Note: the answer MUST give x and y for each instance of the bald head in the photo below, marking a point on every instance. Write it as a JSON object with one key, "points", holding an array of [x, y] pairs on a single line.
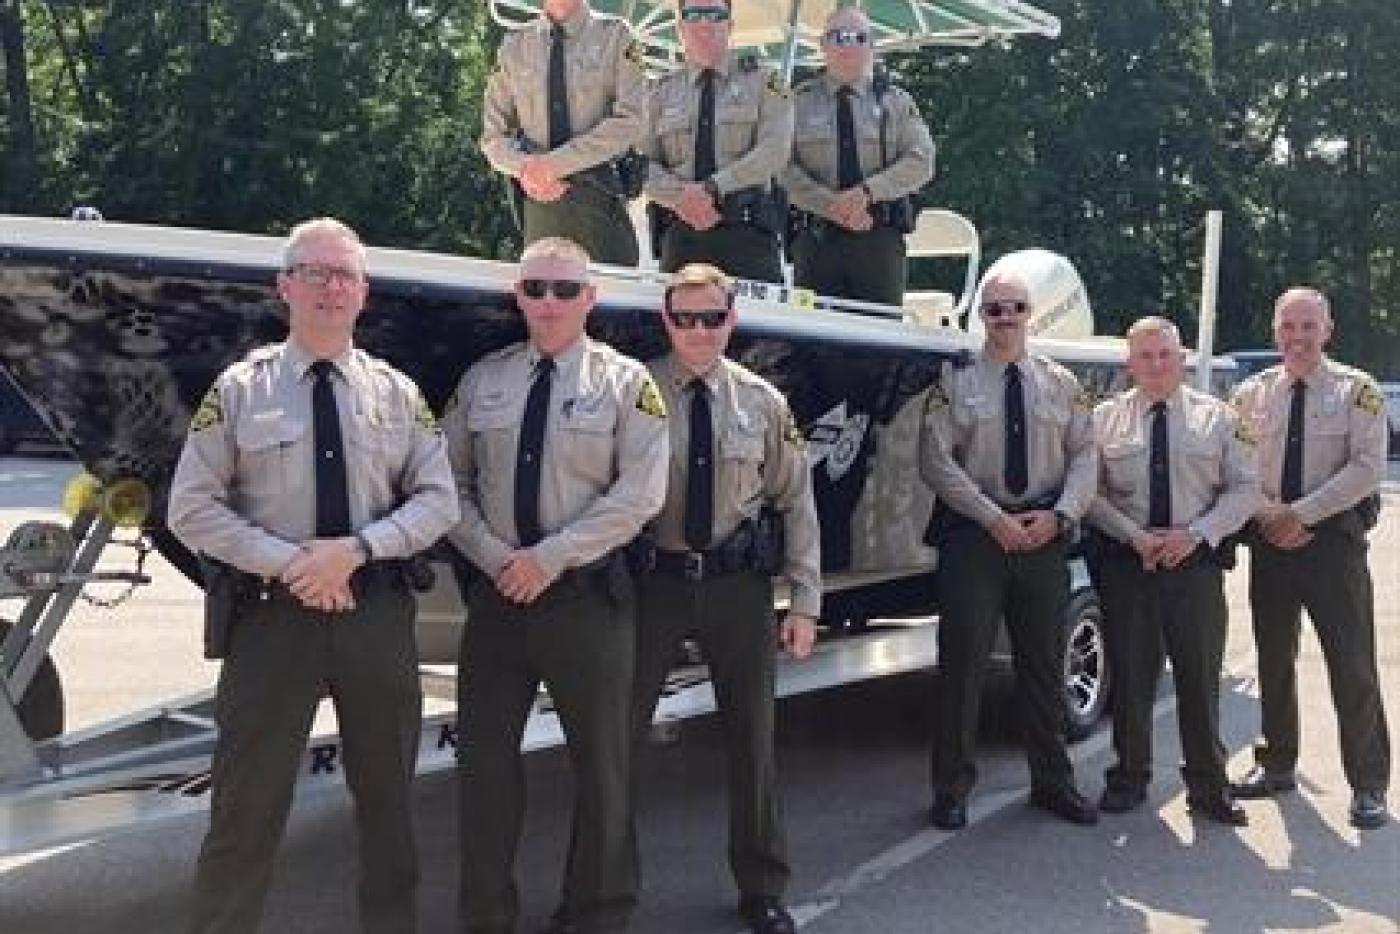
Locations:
{"points": [[1302, 328]]}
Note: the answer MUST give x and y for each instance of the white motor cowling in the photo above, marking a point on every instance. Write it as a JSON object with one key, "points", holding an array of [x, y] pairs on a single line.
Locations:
{"points": [[1059, 302]]}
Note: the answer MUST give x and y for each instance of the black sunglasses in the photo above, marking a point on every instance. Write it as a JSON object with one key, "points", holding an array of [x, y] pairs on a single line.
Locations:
{"points": [[997, 309], [566, 290], [847, 37], [705, 14], [708, 318]]}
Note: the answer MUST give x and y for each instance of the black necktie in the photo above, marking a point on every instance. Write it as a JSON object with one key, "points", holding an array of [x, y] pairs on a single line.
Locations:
{"points": [[528, 456], [847, 159], [1015, 470], [1292, 486], [700, 470], [559, 131], [332, 485], [1159, 475], [705, 128]]}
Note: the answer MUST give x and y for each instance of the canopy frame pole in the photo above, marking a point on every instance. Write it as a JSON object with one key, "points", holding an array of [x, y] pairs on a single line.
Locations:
{"points": [[1210, 288], [790, 45]]}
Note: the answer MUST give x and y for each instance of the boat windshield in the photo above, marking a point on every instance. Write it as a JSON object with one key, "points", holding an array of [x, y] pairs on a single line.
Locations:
{"points": [[765, 27]]}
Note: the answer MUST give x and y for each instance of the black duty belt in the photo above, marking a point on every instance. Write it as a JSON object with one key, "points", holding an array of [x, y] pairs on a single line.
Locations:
{"points": [[370, 578], [699, 565]]}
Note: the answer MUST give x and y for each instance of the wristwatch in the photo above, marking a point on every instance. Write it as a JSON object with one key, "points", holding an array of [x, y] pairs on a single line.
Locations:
{"points": [[1063, 524], [711, 189]]}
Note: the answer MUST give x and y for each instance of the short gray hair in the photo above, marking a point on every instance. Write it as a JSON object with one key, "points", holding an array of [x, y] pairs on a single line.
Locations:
{"points": [[1304, 292], [1154, 324], [315, 229], [556, 248]]}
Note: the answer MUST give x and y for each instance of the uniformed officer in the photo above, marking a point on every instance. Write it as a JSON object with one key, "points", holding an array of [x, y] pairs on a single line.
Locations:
{"points": [[565, 103], [1177, 478], [1322, 431], [719, 133], [738, 509], [559, 447], [311, 469], [860, 151], [1008, 449]]}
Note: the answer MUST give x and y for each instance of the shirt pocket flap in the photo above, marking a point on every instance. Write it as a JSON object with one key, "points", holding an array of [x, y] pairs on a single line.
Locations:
{"points": [[491, 419], [266, 434], [1052, 413], [743, 440], [595, 416], [737, 111], [1122, 450]]}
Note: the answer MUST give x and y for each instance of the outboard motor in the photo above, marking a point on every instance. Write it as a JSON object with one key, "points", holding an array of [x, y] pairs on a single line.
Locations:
{"points": [[1059, 302]]}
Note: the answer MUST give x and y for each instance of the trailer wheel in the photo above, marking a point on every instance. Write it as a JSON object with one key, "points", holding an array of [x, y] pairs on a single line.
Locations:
{"points": [[41, 709], [1088, 678]]}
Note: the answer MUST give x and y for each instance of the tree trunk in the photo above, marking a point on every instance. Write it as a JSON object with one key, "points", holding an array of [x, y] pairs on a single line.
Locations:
{"points": [[21, 158]]}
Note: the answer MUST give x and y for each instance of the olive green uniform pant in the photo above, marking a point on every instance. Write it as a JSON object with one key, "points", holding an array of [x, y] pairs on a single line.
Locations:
{"points": [[743, 252], [1330, 579], [1183, 611], [867, 266], [282, 658], [594, 220], [979, 586], [579, 641], [731, 617]]}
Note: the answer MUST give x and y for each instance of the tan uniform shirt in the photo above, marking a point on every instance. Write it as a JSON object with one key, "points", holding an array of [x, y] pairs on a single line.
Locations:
{"points": [[753, 129], [963, 442], [1214, 478], [761, 458], [907, 162], [607, 93], [1344, 435], [244, 490], [603, 470]]}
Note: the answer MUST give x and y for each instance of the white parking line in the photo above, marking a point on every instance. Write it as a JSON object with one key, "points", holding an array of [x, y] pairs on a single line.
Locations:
{"points": [[918, 845]]}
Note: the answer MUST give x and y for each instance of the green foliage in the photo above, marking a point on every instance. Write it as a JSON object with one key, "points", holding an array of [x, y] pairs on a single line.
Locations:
{"points": [[1108, 145]]}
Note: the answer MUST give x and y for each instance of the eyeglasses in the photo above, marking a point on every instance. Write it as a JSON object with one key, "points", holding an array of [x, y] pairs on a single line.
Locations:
{"points": [[997, 309], [847, 37], [708, 318], [704, 14], [320, 276], [566, 290]]}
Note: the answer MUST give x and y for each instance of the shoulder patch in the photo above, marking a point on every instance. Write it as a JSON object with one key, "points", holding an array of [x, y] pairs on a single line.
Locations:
{"points": [[938, 398], [776, 86], [649, 400], [792, 434], [210, 411], [423, 414], [1369, 399], [1083, 400], [635, 54], [1244, 432]]}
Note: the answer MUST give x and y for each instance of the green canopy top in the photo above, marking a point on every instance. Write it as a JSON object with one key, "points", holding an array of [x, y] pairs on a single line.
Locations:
{"points": [[767, 26]]}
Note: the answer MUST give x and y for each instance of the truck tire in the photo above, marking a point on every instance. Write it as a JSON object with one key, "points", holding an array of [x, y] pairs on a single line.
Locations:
{"points": [[41, 708], [1088, 676]]}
